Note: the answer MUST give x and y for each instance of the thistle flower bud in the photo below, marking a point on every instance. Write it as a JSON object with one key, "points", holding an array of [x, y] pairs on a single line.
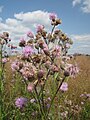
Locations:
{"points": [[54, 68], [40, 42], [37, 58], [58, 21], [66, 73], [22, 42], [30, 87], [46, 51], [40, 73], [6, 34]]}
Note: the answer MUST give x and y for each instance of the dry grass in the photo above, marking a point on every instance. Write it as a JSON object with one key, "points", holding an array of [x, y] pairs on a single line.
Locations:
{"points": [[81, 83], [77, 86]]}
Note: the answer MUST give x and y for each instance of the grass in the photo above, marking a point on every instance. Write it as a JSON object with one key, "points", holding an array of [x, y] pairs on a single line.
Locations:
{"points": [[77, 86]]}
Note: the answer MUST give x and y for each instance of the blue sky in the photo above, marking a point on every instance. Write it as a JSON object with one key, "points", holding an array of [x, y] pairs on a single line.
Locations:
{"points": [[18, 16]]}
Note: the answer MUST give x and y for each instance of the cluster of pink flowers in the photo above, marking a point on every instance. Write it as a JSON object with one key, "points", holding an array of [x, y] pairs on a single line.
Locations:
{"points": [[44, 56], [27, 51], [27, 73], [72, 69], [20, 102]]}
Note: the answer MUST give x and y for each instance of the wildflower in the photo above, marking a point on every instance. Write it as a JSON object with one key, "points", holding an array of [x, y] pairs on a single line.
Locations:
{"points": [[40, 28], [27, 51], [72, 69], [20, 102], [30, 87], [52, 16], [49, 99], [13, 47], [40, 73], [15, 66], [41, 43], [67, 45], [56, 52], [30, 34], [4, 60], [64, 87], [58, 21], [27, 73], [5, 36], [64, 114], [48, 106], [32, 100], [54, 68], [22, 42]]}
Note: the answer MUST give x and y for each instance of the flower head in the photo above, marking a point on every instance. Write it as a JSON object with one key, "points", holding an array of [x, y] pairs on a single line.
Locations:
{"points": [[22, 42], [30, 87], [72, 69], [4, 60], [15, 66], [20, 102], [30, 34], [52, 16], [64, 87], [27, 51], [40, 28]]}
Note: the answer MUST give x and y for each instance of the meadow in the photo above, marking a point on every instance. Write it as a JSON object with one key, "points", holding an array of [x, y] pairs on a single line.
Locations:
{"points": [[44, 82], [77, 86]]}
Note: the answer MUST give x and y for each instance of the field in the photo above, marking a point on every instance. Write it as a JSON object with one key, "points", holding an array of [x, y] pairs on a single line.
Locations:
{"points": [[77, 86]]}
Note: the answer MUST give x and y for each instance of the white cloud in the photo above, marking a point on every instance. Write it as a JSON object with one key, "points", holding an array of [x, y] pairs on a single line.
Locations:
{"points": [[81, 37], [81, 44], [75, 2], [1, 7], [33, 18], [84, 5], [22, 22]]}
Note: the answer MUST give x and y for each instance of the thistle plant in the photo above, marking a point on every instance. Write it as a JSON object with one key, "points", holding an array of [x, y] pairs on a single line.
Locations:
{"points": [[40, 72], [4, 40]]}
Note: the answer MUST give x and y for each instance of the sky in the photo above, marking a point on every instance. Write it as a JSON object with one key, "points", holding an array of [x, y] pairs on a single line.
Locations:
{"points": [[19, 16]]}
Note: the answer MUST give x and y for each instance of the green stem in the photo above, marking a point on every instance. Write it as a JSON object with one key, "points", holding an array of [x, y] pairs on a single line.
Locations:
{"points": [[40, 106], [52, 29], [55, 95]]}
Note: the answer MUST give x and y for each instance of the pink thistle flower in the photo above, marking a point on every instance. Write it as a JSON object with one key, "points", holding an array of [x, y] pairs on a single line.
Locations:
{"points": [[27, 73], [40, 28], [72, 69], [30, 34], [30, 87], [54, 68], [64, 87], [67, 45], [52, 16], [22, 42], [40, 73], [15, 66], [4, 60], [20, 102], [27, 51]]}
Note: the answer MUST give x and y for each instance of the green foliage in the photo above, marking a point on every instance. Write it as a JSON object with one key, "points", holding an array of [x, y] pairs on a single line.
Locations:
{"points": [[85, 114]]}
